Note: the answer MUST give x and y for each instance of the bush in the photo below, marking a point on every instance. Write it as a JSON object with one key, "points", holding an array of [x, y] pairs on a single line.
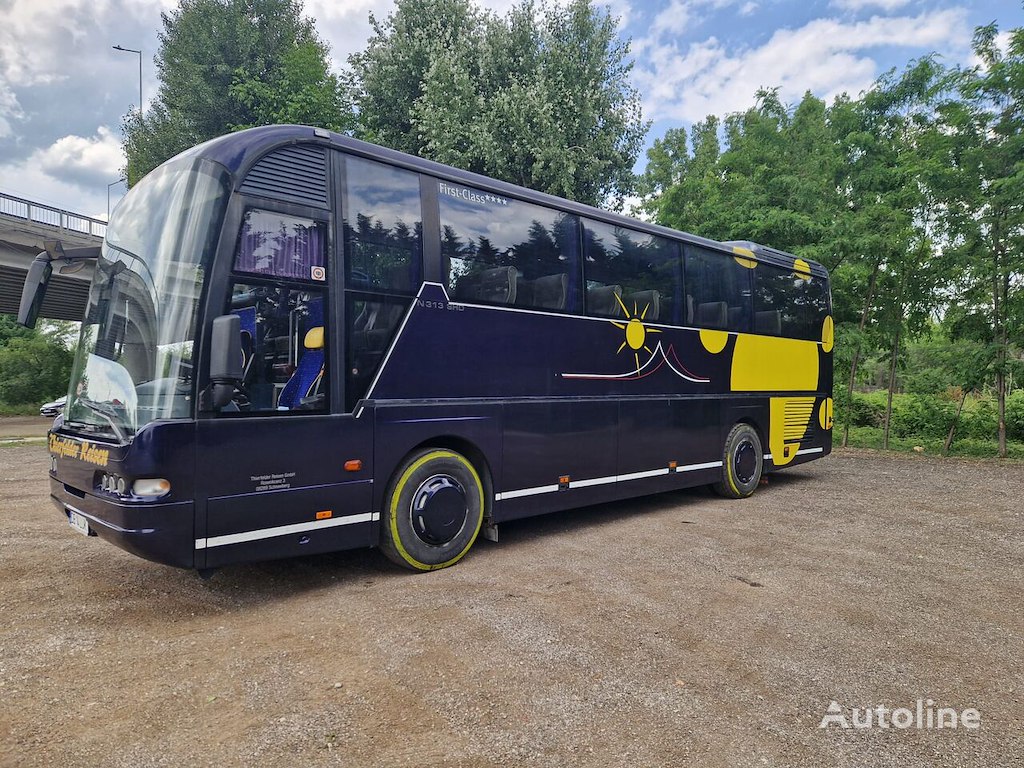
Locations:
{"points": [[981, 420], [871, 437], [33, 370], [921, 416], [867, 410], [1015, 415]]}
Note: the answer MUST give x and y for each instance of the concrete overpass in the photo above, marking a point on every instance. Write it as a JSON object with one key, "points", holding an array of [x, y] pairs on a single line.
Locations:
{"points": [[24, 226]]}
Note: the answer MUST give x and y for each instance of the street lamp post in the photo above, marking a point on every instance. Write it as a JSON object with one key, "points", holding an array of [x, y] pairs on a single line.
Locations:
{"points": [[132, 50], [117, 181]]}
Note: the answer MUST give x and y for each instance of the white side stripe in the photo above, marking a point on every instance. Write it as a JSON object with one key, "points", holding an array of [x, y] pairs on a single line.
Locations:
{"points": [[604, 480], [525, 492], [284, 530], [592, 481], [768, 456]]}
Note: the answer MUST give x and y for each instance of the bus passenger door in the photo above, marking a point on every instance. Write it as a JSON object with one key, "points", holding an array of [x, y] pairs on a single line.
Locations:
{"points": [[280, 471]]}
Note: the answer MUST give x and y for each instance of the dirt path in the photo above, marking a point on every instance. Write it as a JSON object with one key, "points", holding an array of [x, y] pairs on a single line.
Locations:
{"points": [[671, 631], [24, 426]]}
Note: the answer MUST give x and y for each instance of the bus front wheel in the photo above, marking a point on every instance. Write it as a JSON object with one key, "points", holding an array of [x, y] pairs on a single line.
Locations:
{"points": [[742, 463], [433, 510]]}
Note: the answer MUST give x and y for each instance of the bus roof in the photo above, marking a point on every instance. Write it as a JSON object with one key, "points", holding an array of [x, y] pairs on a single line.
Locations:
{"points": [[239, 152]]}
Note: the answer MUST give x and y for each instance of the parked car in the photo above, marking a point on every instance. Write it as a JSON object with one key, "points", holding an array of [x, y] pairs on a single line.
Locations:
{"points": [[53, 408]]}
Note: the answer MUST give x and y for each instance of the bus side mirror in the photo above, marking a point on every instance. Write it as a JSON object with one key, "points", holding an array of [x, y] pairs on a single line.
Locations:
{"points": [[34, 290], [225, 359]]}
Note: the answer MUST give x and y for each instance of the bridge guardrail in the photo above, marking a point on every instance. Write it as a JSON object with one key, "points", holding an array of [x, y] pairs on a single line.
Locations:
{"points": [[37, 213]]}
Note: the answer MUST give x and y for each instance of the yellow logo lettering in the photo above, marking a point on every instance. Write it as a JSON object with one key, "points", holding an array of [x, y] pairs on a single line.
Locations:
{"points": [[84, 451]]}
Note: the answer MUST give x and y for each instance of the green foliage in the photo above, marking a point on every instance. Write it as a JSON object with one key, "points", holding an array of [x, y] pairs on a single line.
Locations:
{"points": [[301, 91], [230, 64], [33, 369], [924, 417], [871, 437], [1015, 416], [9, 329], [981, 143], [774, 183], [540, 97], [937, 363]]}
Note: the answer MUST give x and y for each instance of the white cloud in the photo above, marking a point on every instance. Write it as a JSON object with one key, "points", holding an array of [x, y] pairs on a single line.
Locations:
{"points": [[824, 56], [860, 5], [682, 15], [674, 19], [26, 180], [83, 160], [10, 110]]}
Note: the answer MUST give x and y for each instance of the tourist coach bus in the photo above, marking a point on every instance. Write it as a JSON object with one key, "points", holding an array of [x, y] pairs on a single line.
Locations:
{"points": [[296, 342]]}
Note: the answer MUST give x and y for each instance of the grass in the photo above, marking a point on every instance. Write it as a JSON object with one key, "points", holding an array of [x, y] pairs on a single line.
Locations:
{"points": [[872, 437], [26, 409]]}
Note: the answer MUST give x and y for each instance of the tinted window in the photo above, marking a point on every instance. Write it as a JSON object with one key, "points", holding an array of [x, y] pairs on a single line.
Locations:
{"points": [[371, 324], [789, 303], [284, 349], [718, 288], [278, 245], [383, 227], [643, 271], [502, 251]]}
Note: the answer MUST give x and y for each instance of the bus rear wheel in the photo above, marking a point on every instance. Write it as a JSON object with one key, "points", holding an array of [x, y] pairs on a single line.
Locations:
{"points": [[433, 510], [742, 463]]}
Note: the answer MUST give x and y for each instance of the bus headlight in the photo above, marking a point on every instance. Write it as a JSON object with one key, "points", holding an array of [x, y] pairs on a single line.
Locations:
{"points": [[151, 487]]}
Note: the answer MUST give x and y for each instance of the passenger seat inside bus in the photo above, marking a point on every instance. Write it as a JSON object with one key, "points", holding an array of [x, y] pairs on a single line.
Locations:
{"points": [[769, 322], [603, 300], [493, 286], [646, 303], [548, 292], [713, 314], [305, 387]]}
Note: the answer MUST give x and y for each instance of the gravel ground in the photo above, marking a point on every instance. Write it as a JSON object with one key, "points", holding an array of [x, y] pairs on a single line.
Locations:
{"points": [[673, 630]]}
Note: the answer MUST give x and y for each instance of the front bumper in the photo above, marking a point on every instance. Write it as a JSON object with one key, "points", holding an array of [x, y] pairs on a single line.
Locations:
{"points": [[163, 533]]}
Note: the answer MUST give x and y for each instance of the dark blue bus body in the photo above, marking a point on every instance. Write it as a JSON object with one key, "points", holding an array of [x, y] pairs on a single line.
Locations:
{"points": [[561, 388]]}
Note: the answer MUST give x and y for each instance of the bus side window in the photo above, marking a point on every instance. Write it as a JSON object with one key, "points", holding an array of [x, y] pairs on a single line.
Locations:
{"points": [[273, 244], [284, 348], [383, 263], [383, 228], [646, 269], [789, 303], [718, 289], [500, 251]]}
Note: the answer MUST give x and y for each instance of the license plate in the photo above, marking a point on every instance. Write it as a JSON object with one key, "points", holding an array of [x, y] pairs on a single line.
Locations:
{"points": [[79, 522]]}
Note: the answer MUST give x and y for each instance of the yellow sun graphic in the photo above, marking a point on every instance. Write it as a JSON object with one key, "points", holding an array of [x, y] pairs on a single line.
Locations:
{"points": [[636, 332]]}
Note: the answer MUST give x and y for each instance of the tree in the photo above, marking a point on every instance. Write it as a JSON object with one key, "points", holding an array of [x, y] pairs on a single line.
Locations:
{"points": [[539, 97], [33, 367], [891, 171], [775, 181], [983, 138], [230, 64], [9, 329], [682, 186]]}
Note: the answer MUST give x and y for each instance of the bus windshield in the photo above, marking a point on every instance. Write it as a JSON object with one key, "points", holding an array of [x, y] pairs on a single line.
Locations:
{"points": [[133, 363]]}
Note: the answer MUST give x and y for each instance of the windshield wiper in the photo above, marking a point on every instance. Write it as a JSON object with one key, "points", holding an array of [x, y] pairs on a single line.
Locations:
{"points": [[108, 413]]}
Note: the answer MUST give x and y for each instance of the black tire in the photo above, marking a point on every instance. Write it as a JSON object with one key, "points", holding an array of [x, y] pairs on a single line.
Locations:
{"points": [[433, 510], [742, 463]]}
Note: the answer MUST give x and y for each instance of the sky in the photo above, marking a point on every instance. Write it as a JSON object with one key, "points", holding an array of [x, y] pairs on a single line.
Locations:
{"points": [[64, 90]]}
